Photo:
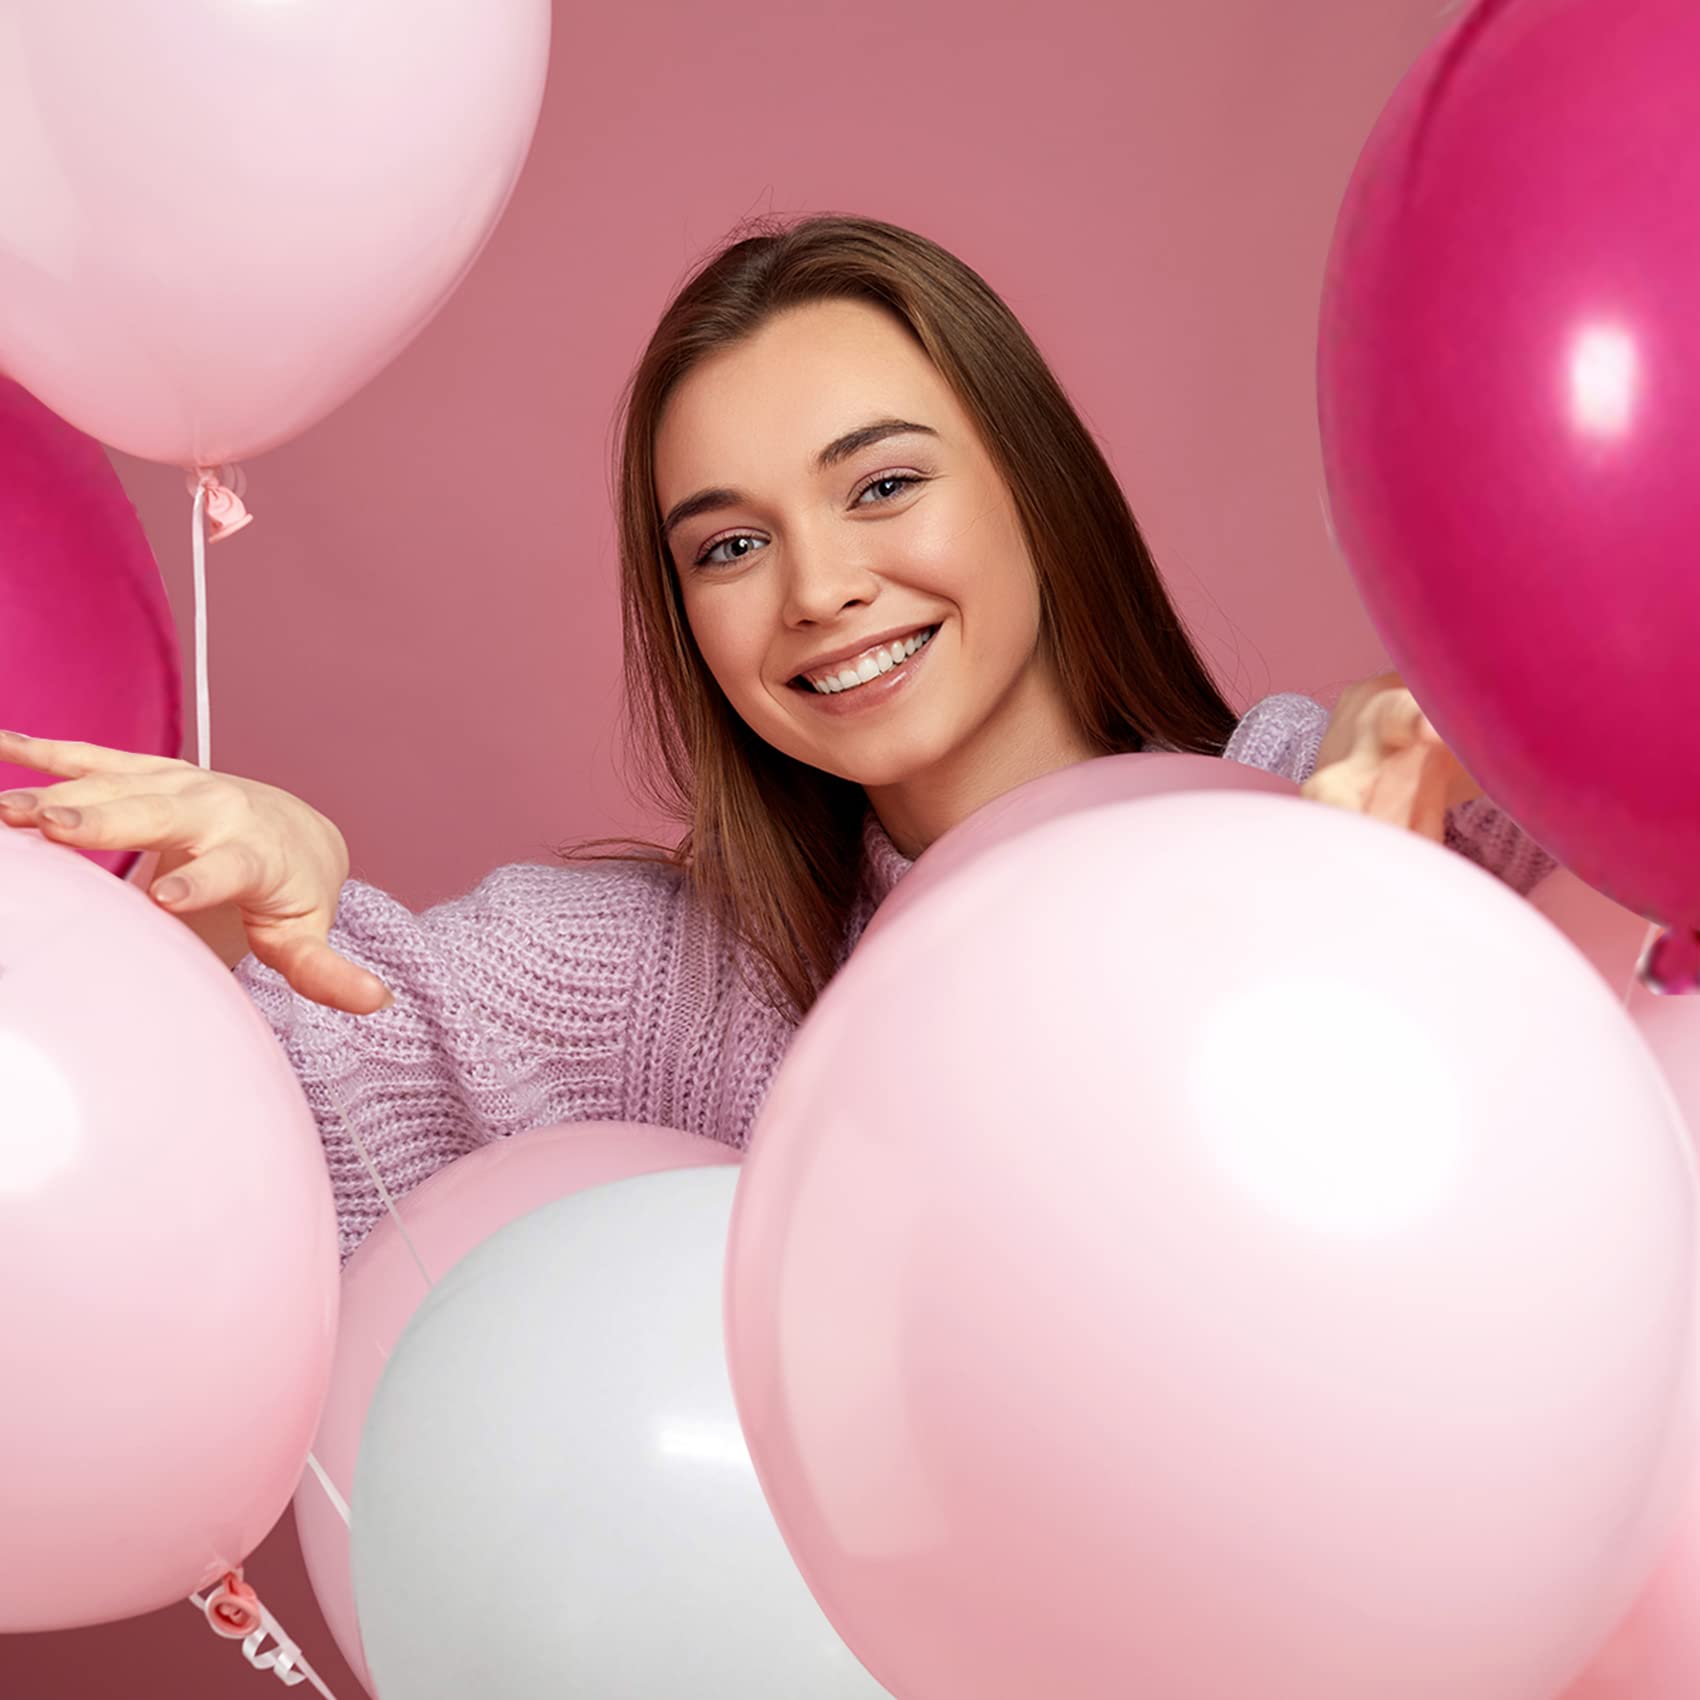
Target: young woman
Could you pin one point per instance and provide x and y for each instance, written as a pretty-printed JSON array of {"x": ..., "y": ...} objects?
[{"x": 875, "y": 572}]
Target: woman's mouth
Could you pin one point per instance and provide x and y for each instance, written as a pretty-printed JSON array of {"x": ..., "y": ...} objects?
[{"x": 871, "y": 678}]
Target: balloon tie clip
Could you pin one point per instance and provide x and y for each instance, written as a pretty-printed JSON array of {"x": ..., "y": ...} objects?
[{"x": 221, "y": 487}]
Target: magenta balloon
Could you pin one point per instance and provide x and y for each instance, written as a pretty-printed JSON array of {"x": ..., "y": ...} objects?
[
  {"x": 1509, "y": 382},
  {"x": 1218, "y": 1247},
  {"x": 1085, "y": 785},
  {"x": 219, "y": 218},
  {"x": 168, "y": 1254},
  {"x": 453, "y": 1211},
  {"x": 88, "y": 645}
]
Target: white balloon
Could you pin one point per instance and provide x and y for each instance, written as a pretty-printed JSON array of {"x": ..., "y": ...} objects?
[{"x": 553, "y": 1499}]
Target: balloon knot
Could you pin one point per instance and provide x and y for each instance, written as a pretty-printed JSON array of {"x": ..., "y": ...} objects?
[
  {"x": 1670, "y": 965},
  {"x": 233, "y": 1608},
  {"x": 224, "y": 510}
]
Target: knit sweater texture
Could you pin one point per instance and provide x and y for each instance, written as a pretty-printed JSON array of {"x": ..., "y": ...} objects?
[{"x": 605, "y": 992}]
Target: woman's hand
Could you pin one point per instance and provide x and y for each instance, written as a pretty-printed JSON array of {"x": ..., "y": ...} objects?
[
  {"x": 277, "y": 860},
  {"x": 1381, "y": 757}
]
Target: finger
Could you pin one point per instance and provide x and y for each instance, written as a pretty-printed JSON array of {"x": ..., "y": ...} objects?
[
  {"x": 318, "y": 973},
  {"x": 1410, "y": 792},
  {"x": 73, "y": 760},
  {"x": 227, "y": 873},
  {"x": 1401, "y": 723},
  {"x": 1342, "y": 785},
  {"x": 99, "y": 801},
  {"x": 103, "y": 821}
]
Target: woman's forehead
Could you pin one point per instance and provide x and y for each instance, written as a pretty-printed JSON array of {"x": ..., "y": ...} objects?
[{"x": 807, "y": 377}]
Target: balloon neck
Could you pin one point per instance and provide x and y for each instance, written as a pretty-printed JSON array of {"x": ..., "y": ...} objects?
[
  {"x": 233, "y": 1608},
  {"x": 1670, "y": 965},
  {"x": 223, "y": 507}
]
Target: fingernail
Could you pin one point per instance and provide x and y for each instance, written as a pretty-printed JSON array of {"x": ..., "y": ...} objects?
[
  {"x": 17, "y": 799},
  {"x": 63, "y": 817},
  {"x": 171, "y": 889}
]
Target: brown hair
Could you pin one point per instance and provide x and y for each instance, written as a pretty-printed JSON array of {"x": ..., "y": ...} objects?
[{"x": 771, "y": 845}]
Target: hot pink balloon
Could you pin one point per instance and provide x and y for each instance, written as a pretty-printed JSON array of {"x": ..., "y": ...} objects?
[
  {"x": 457, "y": 1209},
  {"x": 167, "y": 1247},
  {"x": 1085, "y": 785},
  {"x": 219, "y": 219},
  {"x": 1218, "y": 1247},
  {"x": 1509, "y": 381},
  {"x": 88, "y": 646}
]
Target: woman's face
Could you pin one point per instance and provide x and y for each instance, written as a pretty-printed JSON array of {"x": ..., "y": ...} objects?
[{"x": 828, "y": 503}]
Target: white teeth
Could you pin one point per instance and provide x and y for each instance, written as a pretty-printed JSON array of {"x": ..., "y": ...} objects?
[{"x": 882, "y": 660}]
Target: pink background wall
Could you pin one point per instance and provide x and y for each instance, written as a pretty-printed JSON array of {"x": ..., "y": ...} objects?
[{"x": 420, "y": 633}]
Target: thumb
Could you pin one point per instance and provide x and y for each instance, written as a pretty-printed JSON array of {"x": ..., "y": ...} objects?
[
  {"x": 321, "y": 974},
  {"x": 1399, "y": 723}
]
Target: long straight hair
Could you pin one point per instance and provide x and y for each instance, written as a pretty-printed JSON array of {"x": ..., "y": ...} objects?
[{"x": 772, "y": 846}]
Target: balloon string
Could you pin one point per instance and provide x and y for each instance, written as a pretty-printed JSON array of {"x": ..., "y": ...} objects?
[
  {"x": 332, "y": 1492},
  {"x": 232, "y": 517},
  {"x": 203, "y": 696},
  {"x": 285, "y": 1661},
  {"x": 1652, "y": 932},
  {"x": 527, "y": 1099}
]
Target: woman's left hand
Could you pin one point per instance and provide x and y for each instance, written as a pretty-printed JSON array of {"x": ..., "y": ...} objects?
[{"x": 1380, "y": 756}]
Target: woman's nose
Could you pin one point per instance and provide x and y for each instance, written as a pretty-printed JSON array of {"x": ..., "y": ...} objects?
[{"x": 825, "y": 581}]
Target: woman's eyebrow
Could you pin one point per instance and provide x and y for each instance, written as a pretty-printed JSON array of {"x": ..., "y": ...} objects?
[{"x": 839, "y": 449}]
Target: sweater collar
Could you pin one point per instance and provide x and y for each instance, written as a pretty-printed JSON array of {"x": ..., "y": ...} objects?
[{"x": 883, "y": 864}]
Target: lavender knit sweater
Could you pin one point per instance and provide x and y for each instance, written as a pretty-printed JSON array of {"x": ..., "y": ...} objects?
[{"x": 602, "y": 992}]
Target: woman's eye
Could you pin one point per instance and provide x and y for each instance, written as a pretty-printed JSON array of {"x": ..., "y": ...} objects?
[
  {"x": 707, "y": 557},
  {"x": 892, "y": 484},
  {"x": 728, "y": 551}
]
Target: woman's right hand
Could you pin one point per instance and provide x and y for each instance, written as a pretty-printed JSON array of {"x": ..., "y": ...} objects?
[{"x": 224, "y": 840}]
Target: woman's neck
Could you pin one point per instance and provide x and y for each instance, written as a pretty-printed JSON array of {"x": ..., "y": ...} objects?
[{"x": 1031, "y": 733}]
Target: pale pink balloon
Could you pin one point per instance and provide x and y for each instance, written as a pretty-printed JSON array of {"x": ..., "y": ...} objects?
[
  {"x": 1655, "y": 1653},
  {"x": 1509, "y": 386},
  {"x": 449, "y": 1214},
  {"x": 218, "y": 219},
  {"x": 168, "y": 1254},
  {"x": 88, "y": 646},
  {"x": 1085, "y": 785},
  {"x": 1219, "y": 1247}
]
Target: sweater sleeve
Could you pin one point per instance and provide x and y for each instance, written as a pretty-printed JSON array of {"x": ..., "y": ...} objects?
[
  {"x": 1282, "y": 733},
  {"x": 512, "y": 1006}
]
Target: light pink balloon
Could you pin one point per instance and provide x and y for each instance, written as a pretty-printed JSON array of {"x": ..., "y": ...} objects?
[
  {"x": 1655, "y": 1653},
  {"x": 1085, "y": 785},
  {"x": 168, "y": 1254},
  {"x": 88, "y": 646},
  {"x": 1219, "y": 1247},
  {"x": 218, "y": 219},
  {"x": 1509, "y": 384},
  {"x": 457, "y": 1209}
]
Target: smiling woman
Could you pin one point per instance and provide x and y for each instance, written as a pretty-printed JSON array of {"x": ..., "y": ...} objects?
[
  {"x": 840, "y": 440},
  {"x": 875, "y": 574}
]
